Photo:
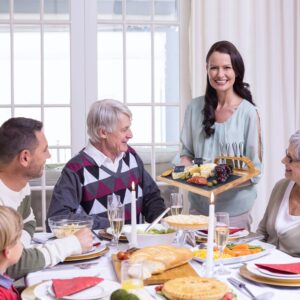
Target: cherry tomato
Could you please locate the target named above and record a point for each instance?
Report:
(158, 288)
(121, 255)
(228, 296)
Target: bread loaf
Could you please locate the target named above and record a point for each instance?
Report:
(157, 259)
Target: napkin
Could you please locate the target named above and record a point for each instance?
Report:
(66, 287)
(231, 230)
(292, 268)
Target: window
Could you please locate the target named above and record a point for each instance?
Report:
(59, 56)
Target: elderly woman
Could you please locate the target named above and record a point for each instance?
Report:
(106, 165)
(281, 222)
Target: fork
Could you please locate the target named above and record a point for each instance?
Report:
(242, 286)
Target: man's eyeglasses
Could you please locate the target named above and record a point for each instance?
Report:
(289, 158)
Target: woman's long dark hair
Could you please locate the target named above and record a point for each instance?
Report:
(241, 88)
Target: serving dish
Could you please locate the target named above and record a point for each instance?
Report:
(239, 259)
(64, 225)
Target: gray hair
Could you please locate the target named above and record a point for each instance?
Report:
(295, 141)
(105, 114)
(17, 134)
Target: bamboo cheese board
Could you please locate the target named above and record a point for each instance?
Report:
(181, 271)
(239, 176)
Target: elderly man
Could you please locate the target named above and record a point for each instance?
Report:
(106, 165)
(23, 152)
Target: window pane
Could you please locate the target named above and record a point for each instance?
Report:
(145, 154)
(167, 124)
(57, 65)
(141, 124)
(27, 65)
(27, 9)
(5, 74)
(28, 112)
(110, 62)
(5, 114)
(4, 9)
(166, 64)
(138, 70)
(138, 9)
(59, 156)
(165, 10)
(57, 126)
(164, 156)
(56, 9)
(109, 9)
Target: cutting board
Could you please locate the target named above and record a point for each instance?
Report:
(181, 271)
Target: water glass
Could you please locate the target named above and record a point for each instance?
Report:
(131, 275)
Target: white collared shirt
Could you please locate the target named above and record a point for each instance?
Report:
(101, 159)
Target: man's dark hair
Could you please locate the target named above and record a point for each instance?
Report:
(17, 134)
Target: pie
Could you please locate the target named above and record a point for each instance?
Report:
(187, 221)
(194, 288)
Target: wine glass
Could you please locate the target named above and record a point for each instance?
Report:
(176, 209)
(117, 222)
(112, 202)
(221, 238)
(176, 203)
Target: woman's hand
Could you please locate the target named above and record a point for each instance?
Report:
(186, 161)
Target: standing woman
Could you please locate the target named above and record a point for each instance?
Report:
(225, 114)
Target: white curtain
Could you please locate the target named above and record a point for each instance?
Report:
(267, 33)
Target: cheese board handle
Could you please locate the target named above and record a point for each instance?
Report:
(248, 162)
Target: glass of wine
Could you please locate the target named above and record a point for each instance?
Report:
(221, 238)
(113, 201)
(176, 203)
(117, 222)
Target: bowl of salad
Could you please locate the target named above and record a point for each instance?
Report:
(158, 235)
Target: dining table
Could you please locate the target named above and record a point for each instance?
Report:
(102, 267)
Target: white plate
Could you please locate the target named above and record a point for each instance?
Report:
(42, 290)
(226, 261)
(236, 235)
(265, 273)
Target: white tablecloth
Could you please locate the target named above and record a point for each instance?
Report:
(103, 268)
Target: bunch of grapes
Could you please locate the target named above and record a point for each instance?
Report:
(223, 171)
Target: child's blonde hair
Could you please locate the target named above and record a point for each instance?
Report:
(11, 226)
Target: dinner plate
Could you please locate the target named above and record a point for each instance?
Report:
(43, 291)
(262, 272)
(236, 235)
(96, 252)
(239, 259)
(244, 272)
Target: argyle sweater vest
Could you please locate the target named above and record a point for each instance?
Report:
(98, 182)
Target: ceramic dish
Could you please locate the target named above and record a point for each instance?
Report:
(233, 260)
(236, 235)
(44, 291)
(96, 252)
(262, 272)
(244, 272)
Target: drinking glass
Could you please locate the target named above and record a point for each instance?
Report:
(221, 238)
(112, 202)
(176, 203)
(131, 275)
(117, 222)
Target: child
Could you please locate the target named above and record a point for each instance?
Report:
(11, 249)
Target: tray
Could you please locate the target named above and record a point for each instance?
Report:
(181, 271)
(238, 177)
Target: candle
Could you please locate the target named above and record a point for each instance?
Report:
(210, 238)
(133, 216)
